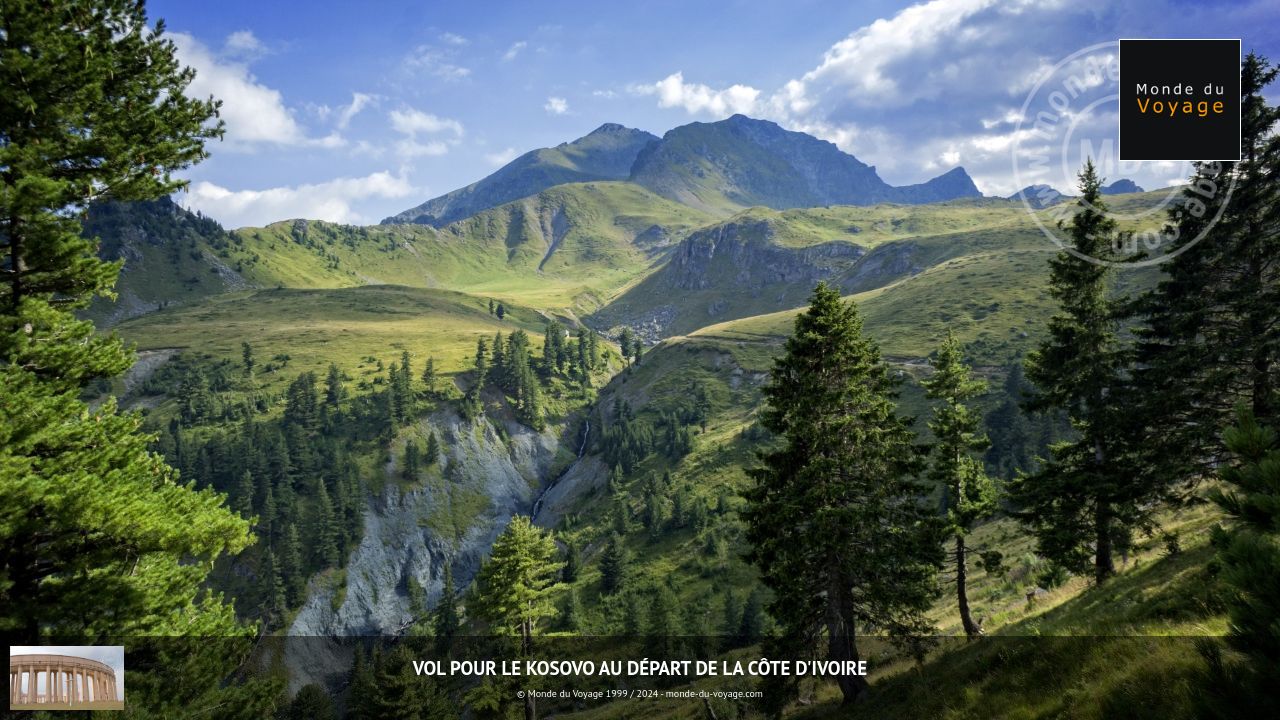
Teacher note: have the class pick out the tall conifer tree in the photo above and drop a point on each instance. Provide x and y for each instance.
(835, 519)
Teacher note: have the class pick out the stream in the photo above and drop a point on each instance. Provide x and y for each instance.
(582, 449)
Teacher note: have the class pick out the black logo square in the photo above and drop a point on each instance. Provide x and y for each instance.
(1180, 100)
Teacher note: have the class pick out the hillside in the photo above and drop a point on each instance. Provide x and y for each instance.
(604, 154)
(742, 162)
(170, 256)
(762, 261)
(564, 249)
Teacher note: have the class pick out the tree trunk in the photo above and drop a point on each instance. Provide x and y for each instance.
(1103, 564)
(971, 628)
(841, 639)
(526, 642)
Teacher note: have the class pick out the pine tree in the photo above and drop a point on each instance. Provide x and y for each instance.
(312, 703)
(1249, 554)
(242, 499)
(500, 365)
(94, 109)
(513, 586)
(731, 617)
(625, 338)
(753, 619)
(501, 311)
(302, 409)
(1085, 498)
(277, 604)
(398, 693)
(324, 531)
(968, 494)
(446, 620)
(429, 375)
(432, 455)
(291, 569)
(1208, 339)
(613, 565)
(334, 392)
(406, 377)
(246, 355)
(1011, 432)
(481, 363)
(834, 519)
(571, 615)
(411, 464)
(572, 563)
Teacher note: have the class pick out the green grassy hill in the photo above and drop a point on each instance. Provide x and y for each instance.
(299, 330)
(977, 264)
(562, 249)
(170, 256)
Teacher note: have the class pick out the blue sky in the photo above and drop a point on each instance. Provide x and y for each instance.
(354, 111)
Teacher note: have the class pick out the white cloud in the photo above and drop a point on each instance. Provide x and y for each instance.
(410, 148)
(606, 94)
(514, 50)
(695, 98)
(437, 62)
(359, 101)
(454, 39)
(502, 157)
(253, 112)
(865, 65)
(556, 106)
(330, 200)
(245, 45)
(408, 121)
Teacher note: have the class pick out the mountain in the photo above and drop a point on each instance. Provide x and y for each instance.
(1038, 196)
(604, 154)
(742, 162)
(1123, 186)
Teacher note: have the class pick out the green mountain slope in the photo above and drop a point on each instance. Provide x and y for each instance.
(305, 330)
(170, 256)
(604, 154)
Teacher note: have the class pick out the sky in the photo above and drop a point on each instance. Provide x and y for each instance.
(351, 112)
(112, 655)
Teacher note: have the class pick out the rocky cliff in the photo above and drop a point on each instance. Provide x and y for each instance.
(489, 472)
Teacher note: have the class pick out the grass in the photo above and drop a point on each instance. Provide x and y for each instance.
(347, 326)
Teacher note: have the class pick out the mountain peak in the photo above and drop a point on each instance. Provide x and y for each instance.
(743, 161)
(1121, 187)
(612, 129)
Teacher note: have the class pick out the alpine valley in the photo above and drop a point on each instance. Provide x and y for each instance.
(582, 337)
